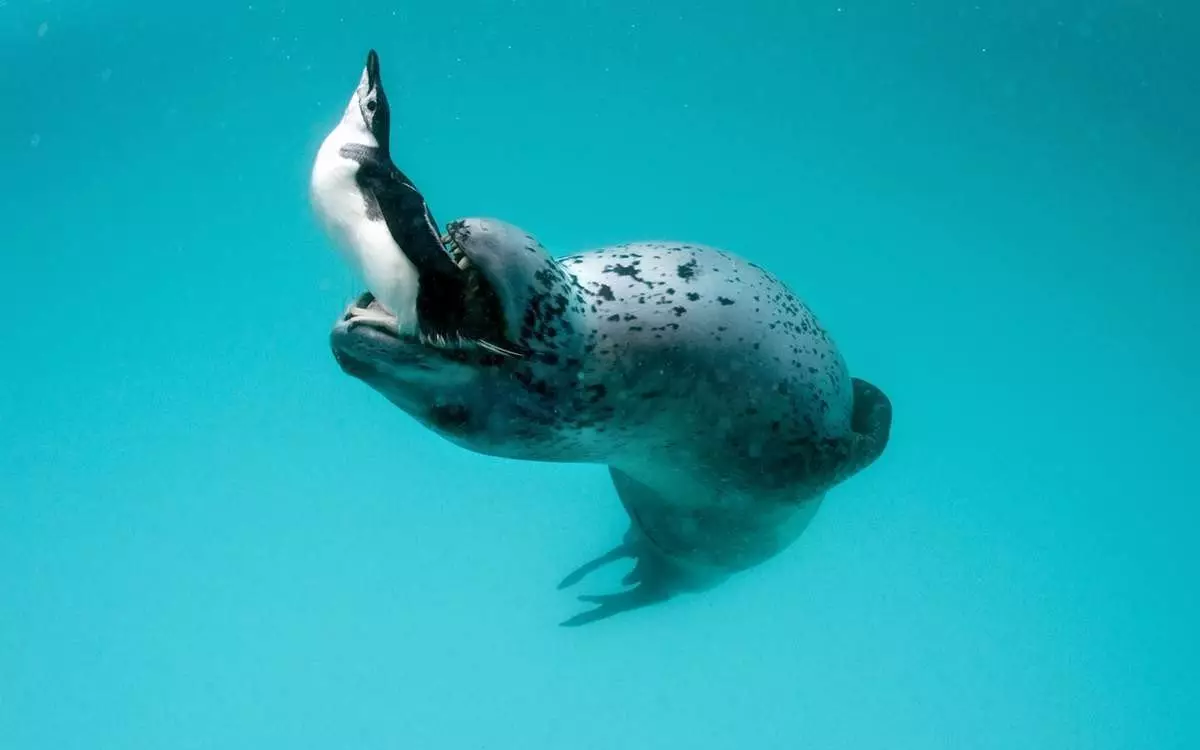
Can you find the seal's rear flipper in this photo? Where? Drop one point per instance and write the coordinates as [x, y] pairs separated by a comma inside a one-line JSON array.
[[872, 426]]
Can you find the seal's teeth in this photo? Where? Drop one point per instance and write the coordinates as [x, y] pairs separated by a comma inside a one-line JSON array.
[[456, 253]]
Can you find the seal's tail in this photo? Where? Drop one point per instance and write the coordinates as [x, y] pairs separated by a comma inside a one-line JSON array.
[[872, 425]]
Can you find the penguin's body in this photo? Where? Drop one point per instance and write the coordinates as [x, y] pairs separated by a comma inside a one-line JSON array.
[[379, 219]]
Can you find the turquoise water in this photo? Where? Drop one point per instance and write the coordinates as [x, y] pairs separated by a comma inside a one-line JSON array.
[[211, 538]]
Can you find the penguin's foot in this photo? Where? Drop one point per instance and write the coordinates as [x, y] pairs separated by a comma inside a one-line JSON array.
[[373, 318]]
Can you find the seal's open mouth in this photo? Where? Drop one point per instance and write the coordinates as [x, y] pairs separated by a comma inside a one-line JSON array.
[[466, 311], [482, 314], [469, 319]]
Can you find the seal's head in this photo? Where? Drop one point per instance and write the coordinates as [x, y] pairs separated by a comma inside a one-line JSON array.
[[536, 298], [515, 292]]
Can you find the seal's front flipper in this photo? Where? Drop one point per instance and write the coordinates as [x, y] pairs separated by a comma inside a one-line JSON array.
[[654, 578], [583, 571], [613, 604]]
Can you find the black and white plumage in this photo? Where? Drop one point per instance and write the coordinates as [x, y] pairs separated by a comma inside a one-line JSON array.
[[382, 224]]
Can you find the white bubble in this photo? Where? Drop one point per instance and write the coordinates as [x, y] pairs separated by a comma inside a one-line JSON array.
[[42, 29]]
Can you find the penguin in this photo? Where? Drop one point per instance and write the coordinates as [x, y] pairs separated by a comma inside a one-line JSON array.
[[383, 225]]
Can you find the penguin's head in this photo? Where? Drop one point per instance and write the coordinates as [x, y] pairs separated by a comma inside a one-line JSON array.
[[367, 119]]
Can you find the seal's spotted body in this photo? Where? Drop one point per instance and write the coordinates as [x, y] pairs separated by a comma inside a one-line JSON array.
[[711, 321], [722, 408]]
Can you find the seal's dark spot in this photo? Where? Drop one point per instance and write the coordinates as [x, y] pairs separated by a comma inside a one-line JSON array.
[[725, 301], [687, 270], [693, 296], [605, 293]]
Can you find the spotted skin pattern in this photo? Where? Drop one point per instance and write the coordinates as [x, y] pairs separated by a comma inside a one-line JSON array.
[[720, 405], [674, 319], [623, 336]]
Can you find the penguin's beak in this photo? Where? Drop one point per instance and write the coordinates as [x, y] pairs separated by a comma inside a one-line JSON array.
[[371, 71], [368, 107]]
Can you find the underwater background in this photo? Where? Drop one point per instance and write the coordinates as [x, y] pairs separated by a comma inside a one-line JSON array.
[[212, 538]]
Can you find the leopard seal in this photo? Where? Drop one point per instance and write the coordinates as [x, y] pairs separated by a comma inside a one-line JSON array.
[[721, 407]]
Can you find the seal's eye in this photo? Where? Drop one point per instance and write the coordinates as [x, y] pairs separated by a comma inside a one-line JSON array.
[[371, 106], [449, 417]]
